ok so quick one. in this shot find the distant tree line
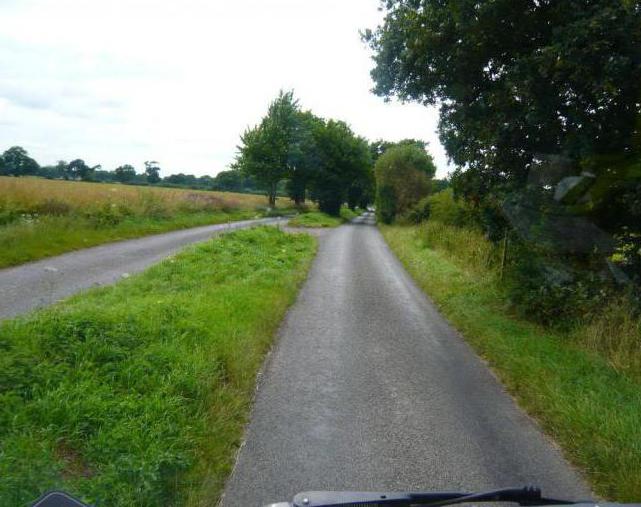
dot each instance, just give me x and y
(16, 162)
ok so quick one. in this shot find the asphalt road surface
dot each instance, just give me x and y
(41, 283)
(369, 388)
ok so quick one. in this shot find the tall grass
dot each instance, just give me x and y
(40, 218)
(584, 386)
(55, 197)
(137, 394)
(614, 332)
(468, 246)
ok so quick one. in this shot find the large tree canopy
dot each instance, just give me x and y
(343, 159)
(17, 162)
(517, 80)
(266, 150)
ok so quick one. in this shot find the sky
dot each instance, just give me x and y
(177, 81)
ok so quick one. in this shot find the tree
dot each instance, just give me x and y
(61, 169)
(152, 172)
(265, 151)
(303, 156)
(342, 158)
(181, 179)
(78, 169)
(125, 173)
(516, 79)
(17, 162)
(403, 175)
(377, 148)
(229, 181)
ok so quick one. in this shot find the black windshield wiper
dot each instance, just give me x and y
(522, 496)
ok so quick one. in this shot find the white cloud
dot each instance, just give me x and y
(125, 81)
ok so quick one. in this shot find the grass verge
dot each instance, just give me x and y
(136, 394)
(320, 219)
(592, 410)
(29, 240)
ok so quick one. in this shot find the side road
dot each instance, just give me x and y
(40, 283)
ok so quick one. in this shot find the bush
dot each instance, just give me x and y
(551, 291)
(403, 175)
(385, 204)
(419, 212)
(106, 215)
(444, 208)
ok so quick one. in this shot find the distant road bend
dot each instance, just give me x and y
(41, 283)
(369, 388)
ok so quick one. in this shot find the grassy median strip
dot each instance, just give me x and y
(137, 394)
(26, 241)
(320, 219)
(592, 410)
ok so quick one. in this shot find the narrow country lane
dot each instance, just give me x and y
(369, 388)
(40, 283)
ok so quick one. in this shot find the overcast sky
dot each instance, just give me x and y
(177, 81)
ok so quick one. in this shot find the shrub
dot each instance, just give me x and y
(550, 290)
(444, 208)
(385, 204)
(403, 175)
(419, 212)
(105, 215)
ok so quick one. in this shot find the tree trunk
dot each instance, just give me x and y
(272, 195)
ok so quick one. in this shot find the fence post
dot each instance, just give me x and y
(504, 253)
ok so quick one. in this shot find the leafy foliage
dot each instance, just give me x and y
(516, 79)
(16, 162)
(125, 173)
(540, 104)
(152, 171)
(265, 150)
(343, 159)
(403, 174)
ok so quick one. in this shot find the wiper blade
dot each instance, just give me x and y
(522, 496)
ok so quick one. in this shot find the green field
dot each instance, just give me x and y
(587, 401)
(137, 394)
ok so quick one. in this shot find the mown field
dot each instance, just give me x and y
(584, 386)
(40, 218)
(137, 394)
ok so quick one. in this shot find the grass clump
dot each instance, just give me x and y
(137, 394)
(583, 388)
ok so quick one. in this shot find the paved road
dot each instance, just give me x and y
(41, 283)
(369, 388)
